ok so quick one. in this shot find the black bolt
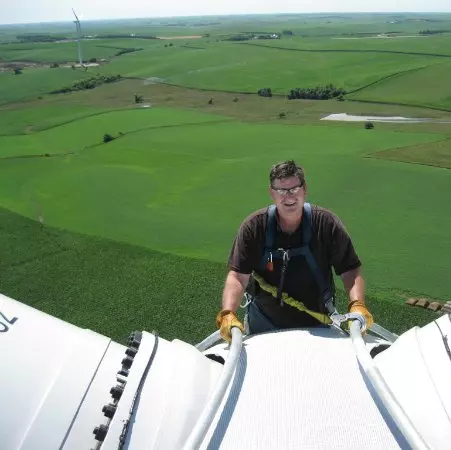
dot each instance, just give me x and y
(109, 410)
(116, 392)
(131, 351)
(100, 432)
(127, 362)
(135, 339)
(123, 372)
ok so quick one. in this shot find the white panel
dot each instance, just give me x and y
(417, 369)
(47, 365)
(90, 414)
(299, 390)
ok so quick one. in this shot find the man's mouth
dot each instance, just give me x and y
(289, 204)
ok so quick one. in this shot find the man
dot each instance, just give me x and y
(289, 282)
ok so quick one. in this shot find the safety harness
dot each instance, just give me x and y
(270, 252)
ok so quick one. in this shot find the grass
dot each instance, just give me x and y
(135, 189)
(245, 68)
(61, 52)
(137, 229)
(33, 83)
(115, 288)
(426, 87)
(23, 119)
(87, 132)
(432, 45)
(438, 155)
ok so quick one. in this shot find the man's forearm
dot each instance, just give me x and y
(235, 285)
(354, 284)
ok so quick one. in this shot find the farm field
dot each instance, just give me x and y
(435, 89)
(245, 68)
(149, 214)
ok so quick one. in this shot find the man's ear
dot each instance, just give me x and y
(271, 193)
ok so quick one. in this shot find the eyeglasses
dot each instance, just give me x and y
(291, 191)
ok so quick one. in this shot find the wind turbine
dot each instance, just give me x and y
(78, 26)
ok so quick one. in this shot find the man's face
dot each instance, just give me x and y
(288, 195)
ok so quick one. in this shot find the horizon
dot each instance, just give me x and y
(60, 14)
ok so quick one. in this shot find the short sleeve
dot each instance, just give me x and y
(245, 253)
(343, 254)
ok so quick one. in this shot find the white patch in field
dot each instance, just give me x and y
(343, 117)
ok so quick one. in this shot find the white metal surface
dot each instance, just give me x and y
(174, 395)
(384, 392)
(47, 369)
(299, 389)
(122, 415)
(291, 389)
(90, 415)
(418, 371)
(203, 423)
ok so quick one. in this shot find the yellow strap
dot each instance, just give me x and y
(323, 318)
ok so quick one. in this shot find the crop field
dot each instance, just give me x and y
(245, 68)
(57, 52)
(33, 83)
(410, 44)
(119, 203)
(434, 92)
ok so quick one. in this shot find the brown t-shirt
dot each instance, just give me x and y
(330, 245)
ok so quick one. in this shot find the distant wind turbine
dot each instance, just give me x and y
(78, 26)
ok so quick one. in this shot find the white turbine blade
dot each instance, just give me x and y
(75, 15)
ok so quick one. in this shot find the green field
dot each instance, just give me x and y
(148, 180)
(245, 68)
(113, 288)
(429, 86)
(413, 44)
(137, 231)
(58, 52)
(33, 83)
(88, 132)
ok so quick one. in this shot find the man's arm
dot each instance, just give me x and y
(354, 284)
(234, 287)
(226, 319)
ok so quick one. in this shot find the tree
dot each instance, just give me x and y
(236, 99)
(54, 65)
(265, 92)
(369, 125)
(107, 138)
(282, 115)
(17, 71)
(139, 98)
(210, 102)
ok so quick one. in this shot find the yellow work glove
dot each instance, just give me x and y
(358, 306)
(225, 320)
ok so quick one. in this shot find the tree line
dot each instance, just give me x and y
(325, 92)
(88, 83)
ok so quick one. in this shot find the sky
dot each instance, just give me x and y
(31, 11)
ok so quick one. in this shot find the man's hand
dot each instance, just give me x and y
(225, 321)
(357, 306)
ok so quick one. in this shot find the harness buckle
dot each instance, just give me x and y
(247, 300)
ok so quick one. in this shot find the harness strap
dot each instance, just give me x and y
(305, 251)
